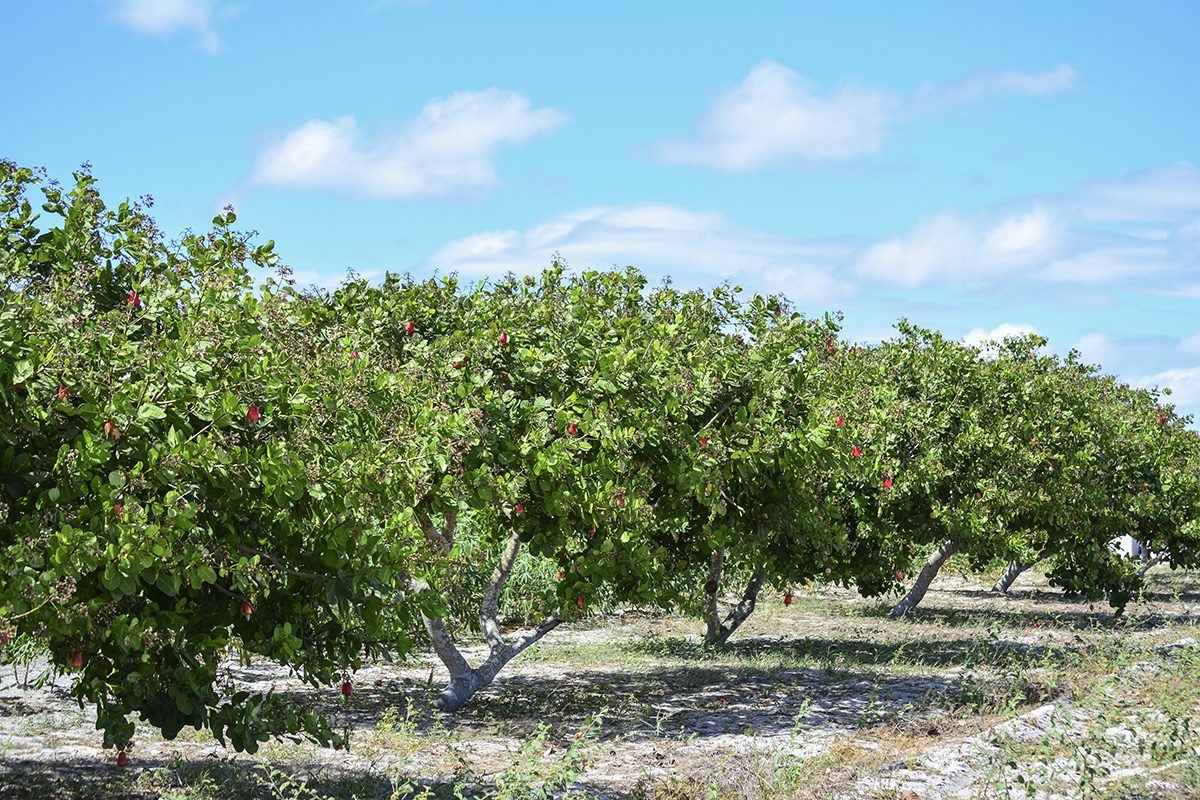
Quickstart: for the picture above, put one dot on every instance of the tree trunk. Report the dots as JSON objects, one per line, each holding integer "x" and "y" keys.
{"x": 719, "y": 631}
{"x": 738, "y": 614}
{"x": 1015, "y": 568}
{"x": 1152, "y": 562}
{"x": 465, "y": 681}
{"x": 921, "y": 585}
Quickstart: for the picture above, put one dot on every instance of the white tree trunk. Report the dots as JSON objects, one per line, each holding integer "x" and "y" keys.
{"x": 921, "y": 585}
{"x": 465, "y": 681}
{"x": 719, "y": 631}
{"x": 1015, "y": 568}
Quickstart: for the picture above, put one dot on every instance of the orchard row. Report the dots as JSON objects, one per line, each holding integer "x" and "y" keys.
{"x": 192, "y": 464}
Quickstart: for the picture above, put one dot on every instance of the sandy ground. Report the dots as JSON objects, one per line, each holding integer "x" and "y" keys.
{"x": 661, "y": 717}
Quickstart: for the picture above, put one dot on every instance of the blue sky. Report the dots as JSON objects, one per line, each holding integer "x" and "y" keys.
{"x": 976, "y": 167}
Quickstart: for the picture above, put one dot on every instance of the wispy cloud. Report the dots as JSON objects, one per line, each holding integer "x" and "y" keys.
{"x": 1099, "y": 348}
{"x": 776, "y": 116}
{"x": 931, "y": 97}
{"x": 660, "y": 240}
{"x": 1038, "y": 244}
{"x": 166, "y": 17}
{"x": 1190, "y": 345}
{"x": 1165, "y": 194}
{"x": 1096, "y": 237}
{"x": 446, "y": 151}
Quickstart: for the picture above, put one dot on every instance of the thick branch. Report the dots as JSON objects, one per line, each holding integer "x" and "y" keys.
{"x": 449, "y": 523}
{"x": 489, "y": 609}
{"x": 530, "y": 636}
{"x": 1014, "y": 570}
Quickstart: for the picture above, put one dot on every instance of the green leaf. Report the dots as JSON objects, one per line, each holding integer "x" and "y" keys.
{"x": 150, "y": 411}
{"x": 22, "y": 371}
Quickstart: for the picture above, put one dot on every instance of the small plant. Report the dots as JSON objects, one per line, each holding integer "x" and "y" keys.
{"x": 528, "y": 776}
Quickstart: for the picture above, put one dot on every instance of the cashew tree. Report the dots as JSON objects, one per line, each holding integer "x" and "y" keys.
{"x": 558, "y": 396}
{"x": 189, "y": 466}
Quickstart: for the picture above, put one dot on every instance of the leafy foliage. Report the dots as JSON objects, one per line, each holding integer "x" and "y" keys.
{"x": 193, "y": 466}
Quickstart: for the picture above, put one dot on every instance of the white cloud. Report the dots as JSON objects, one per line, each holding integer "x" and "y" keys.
{"x": 1184, "y": 385}
{"x": 775, "y": 115}
{"x": 446, "y": 151}
{"x": 981, "y": 338}
{"x": 659, "y": 239}
{"x": 955, "y": 248}
{"x": 165, "y": 17}
{"x": 1138, "y": 231}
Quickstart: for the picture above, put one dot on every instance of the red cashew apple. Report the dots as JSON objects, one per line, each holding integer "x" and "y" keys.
{"x": 856, "y": 452}
{"x": 503, "y": 339}
{"x": 77, "y": 660}
{"x": 246, "y": 609}
{"x": 122, "y": 760}
{"x": 571, "y": 429}
{"x": 252, "y": 414}
{"x": 787, "y": 599}
{"x": 347, "y": 689}
{"x": 408, "y": 326}
{"x": 520, "y": 509}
